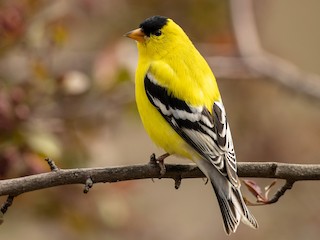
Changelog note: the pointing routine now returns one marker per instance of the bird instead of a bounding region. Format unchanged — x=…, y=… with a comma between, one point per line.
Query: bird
x=181, y=109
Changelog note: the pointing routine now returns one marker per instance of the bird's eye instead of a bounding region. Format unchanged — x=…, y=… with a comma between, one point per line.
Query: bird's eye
x=158, y=33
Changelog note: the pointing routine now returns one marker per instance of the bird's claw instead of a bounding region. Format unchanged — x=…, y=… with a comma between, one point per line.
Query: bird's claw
x=160, y=161
x=162, y=167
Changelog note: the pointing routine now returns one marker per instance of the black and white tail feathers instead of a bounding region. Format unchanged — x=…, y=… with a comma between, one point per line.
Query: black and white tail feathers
x=232, y=205
x=208, y=134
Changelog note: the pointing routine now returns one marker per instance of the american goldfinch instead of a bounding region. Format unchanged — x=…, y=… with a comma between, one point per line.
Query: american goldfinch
x=181, y=109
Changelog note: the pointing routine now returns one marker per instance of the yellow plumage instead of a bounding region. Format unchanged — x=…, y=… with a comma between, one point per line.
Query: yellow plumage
x=181, y=109
x=170, y=61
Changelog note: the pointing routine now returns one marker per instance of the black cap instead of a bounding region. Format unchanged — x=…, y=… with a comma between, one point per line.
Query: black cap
x=153, y=24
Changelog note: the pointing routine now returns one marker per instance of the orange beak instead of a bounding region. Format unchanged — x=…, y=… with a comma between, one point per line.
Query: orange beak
x=136, y=34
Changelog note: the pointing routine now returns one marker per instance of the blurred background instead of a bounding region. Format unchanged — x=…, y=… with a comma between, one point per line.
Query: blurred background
x=67, y=92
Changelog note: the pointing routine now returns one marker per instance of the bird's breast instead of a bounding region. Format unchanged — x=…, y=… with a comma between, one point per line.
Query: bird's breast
x=159, y=130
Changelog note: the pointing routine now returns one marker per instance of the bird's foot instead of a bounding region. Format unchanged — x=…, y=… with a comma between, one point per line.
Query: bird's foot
x=160, y=161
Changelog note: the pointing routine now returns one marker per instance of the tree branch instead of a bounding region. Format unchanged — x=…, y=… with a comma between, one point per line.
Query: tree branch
x=262, y=62
x=17, y=186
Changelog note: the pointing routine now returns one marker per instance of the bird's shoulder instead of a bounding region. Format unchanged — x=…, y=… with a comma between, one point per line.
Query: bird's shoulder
x=189, y=84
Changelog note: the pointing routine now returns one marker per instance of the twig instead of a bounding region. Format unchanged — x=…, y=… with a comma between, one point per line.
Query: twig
x=287, y=186
x=52, y=165
x=7, y=204
x=16, y=186
x=263, y=198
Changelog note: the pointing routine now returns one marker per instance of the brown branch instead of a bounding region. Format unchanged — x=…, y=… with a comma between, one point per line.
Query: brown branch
x=7, y=204
x=262, y=62
x=16, y=186
x=229, y=67
x=52, y=165
x=263, y=198
x=287, y=186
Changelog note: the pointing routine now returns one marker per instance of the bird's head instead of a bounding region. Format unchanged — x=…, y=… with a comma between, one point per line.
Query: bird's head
x=157, y=36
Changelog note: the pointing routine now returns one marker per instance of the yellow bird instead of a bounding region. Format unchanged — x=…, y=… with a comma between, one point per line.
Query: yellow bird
x=181, y=109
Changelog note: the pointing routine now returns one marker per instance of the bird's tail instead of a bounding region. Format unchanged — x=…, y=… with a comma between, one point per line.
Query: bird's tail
x=232, y=205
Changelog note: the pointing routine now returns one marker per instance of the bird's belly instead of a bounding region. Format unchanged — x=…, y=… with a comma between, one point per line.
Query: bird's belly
x=160, y=130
